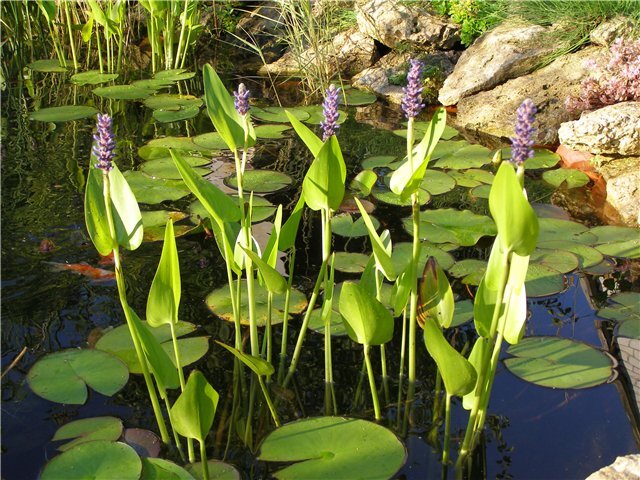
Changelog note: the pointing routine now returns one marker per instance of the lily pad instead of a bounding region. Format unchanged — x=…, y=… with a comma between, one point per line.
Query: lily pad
x=210, y=141
x=587, y=256
x=470, y=270
x=356, y=97
x=616, y=241
x=626, y=312
x=465, y=156
x=337, y=324
x=560, y=260
x=472, y=177
x=271, y=131
x=350, y=262
x=401, y=256
x=219, y=303
x=124, y=92
x=93, y=77
x=158, y=468
x=261, y=181
x=436, y=182
x=542, y=158
x=182, y=143
x=345, y=226
x=88, y=430
x=481, y=191
x=155, y=190
x=462, y=314
x=316, y=115
x=99, y=460
x=153, y=83
x=217, y=470
x=172, y=101
x=48, y=66
x=542, y=280
x=277, y=114
x=150, y=152
x=118, y=342
x=568, y=176
x=184, y=113
x=448, y=225
x=67, y=113
x=166, y=168
x=552, y=229
x=144, y=442
x=378, y=161
x=174, y=75
x=559, y=363
x=158, y=218
x=333, y=447
x=156, y=234
x=262, y=209
x=385, y=195
x=64, y=376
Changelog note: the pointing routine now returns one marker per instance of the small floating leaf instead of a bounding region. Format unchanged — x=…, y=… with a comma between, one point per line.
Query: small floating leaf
x=472, y=177
x=448, y=225
x=344, y=225
x=93, y=77
x=559, y=363
x=378, y=161
x=261, y=181
x=48, y=66
x=401, y=256
x=174, y=75
x=155, y=190
x=262, y=209
x=271, y=131
x=587, y=256
x=277, y=114
x=467, y=156
x=350, y=262
x=217, y=470
x=172, y=101
x=166, y=168
x=357, y=97
x=67, y=113
x=436, y=182
x=560, y=260
x=570, y=177
x=144, y=442
x=192, y=413
x=542, y=158
x=184, y=113
x=87, y=430
x=181, y=143
x=153, y=83
x=463, y=313
x=316, y=115
x=543, y=280
x=624, y=311
x=470, y=270
x=564, y=230
x=387, y=196
x=481, y=191
x=158, y=468
x=124, y=92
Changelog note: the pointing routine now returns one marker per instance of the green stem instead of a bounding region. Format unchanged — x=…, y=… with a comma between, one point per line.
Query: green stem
x=447, y=430
x=272, y=409
x=285, y=317
x=99, y=50
x=372, y=384
x=71, y=42
x=176, y=437
x=176, y=352
x=383, y=351
x=415, y=258
x=403, y=341
x=204, y=461
x=181, y=39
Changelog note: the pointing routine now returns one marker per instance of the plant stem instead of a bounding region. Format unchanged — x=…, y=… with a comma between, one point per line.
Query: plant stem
x=204, y=461
x=176, y=352
x=403, y=341
x=99, y=50
x=181, y=39
x=65, y=6
x=176, y=437
x=372, y=384
x=272, y=409
x=383, y=352
x=285, y=317
x=447, y=430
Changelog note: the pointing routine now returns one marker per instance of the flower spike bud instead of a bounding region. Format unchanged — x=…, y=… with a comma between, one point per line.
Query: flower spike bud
x=241, y=101
x=330, y=111
x=105, y=144
x=412, y=99
x=522, y=143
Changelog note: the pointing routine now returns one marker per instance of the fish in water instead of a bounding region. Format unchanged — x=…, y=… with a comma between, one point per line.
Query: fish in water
x=84, y=269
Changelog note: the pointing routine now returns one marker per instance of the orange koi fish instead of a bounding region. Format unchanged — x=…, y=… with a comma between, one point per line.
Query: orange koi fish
x=84, y=269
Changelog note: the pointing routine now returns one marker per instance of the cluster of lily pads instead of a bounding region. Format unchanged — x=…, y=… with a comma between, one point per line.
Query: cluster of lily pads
x=530, y=257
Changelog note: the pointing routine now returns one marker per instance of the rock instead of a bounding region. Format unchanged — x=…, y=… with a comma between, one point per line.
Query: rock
x=391, y=22
x=575, y=159
x=507, y=51
x=494, y=112
x=624, y=468
x=264, y=19
x=613, y=129
x=605, y=33
x=622, y=176
x=350, y=52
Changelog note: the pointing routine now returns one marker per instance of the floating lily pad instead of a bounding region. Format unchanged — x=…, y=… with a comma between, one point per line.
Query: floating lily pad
x=278, y=115
x=587, y=256
x=420, y=129
x=356, y=97
x=174, y=75
x=345, y=226
x=626, y=312
x=158, y=218
x=181, y=143
x=262, y=209
x=568, y=176
x=184, y=113
x=333, y=447
x=603, y=268
x=158, y=468
x=217, y=470
x=210, y=141
x=559, y=363
x=436, y=182
x=99, y=460
x=448, y=225
x=628, y=249
x=463, y=313
x=385, y=195
x=219, y=303
x=156, y=234
x=144, y=442
x=271, y=131
x=172, y=101
x=350, y=262
x=560, y=260
x=118, y=342
x=153, y=83
x=67, y=113
x=316, y=115
x=166, y=167
x=470, y=270
x=401, y=256
x=151, y=152
x=155, y=190
x=481, y=191
x=261, y=181
x=542, y=158
x=465, y=156
x=93, y=77
x=88, y=430
x=472, y=177
x=63, y=376
x=542, y=280
x=378, y=161
x=617, y=241
x=124, y=92
x=552, y=229
x=337, y=325
x=49, y=66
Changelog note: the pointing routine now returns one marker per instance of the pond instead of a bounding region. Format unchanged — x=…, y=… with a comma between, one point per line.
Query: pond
x=58, y=293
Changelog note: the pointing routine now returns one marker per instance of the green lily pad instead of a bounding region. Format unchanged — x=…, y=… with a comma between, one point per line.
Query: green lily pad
x=420, y=129
x=158, y=218
x=158, y=468
x=67, y=113
x=174, y=75
x=316, y=115
x=605, y=267
x=465, y=156
x=570, y=177
x=99, y=460
x=217, y=470
x=271, y=131
x=150, y=152
x=378, y=161
x=559, y=363
x=542, y=158
x=124, y=92
x=210, y=141
x=470, y=270
x=462, y=314
x=552, y=229
x=262, y=209
x=48, y=66
x=153, y=83
x=628, y=249
x=356, y=97
x=184, y=113
x=587, y=256
x=617, y=241
x=472, y=177
x=333, y=447
x=437, y=183
x=542, y=280
x=337, y=324
x=219, y=303
x=93, y=77
x=481, y=191
x=350, y=262
x=560, y=260
x=261, y=181
x=172, y=101
x=401, y=256
x=626, y=312
x=181, y=143
x=385, y=195
x=88, y=430
x=155, y=190
x=156, y=234
x=166, y=168
x=448, y=225
x=118, y=342
x=278, y=115
x=344, y=225
x=63, y=376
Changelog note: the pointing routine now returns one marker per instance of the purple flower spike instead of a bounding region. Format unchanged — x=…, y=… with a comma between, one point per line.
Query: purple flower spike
x=412, y=99
x=330, y=111
x=105, y=143
x=241, y=101
x=522, y=143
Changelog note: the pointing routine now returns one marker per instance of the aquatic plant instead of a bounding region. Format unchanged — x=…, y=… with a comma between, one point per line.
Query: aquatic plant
x=522, y=143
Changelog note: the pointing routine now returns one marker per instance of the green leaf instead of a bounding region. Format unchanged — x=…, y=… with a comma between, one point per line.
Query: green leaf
x=381, y=245
x=124, y=92
x=223, y=115
x=48, y=66
x=189, y=144
x=516, y=221
x=448, y=225
x=473, y=177
x=192, y=413
x=344, y=225
x=258, y=365
x=218, y=470
x=378, y=161
x=401, y=256
x=166, y=168
x=464, y=156
x=172, y=101
x=271, y=131
x=261, y=181
x=357, y=97
x=368, y=322
x=262, y=210
x=475, y=359
x=471, y=270
x=323, y=186
x=552, y=229
x=388, y=197
x=289, y=230
x=571, y=178
x=164, y=295
x=88, y=430
x=625, y=312
x=92, y=77
x=458, y=374
x=95, y=212
x=316, y=115
x=279, y=114
x=160, y=469
x=513, y=319
x=333, y=447
x=126, y=213
x=364, y=182
x=435, y=300
x=560, y=260
x=350, y=262
x=183, y=113
x=155, y=190
x=543, y=280
x=310, y=139
x=64, y=376
x=274, y=282
x=99, y=460
x=66, y=113
x=587, y=256
x=436, y=182
x=174, y=75
x=463, y=313
x=559, y=363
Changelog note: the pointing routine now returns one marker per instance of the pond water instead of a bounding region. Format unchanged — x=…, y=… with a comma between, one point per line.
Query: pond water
x=534, y=432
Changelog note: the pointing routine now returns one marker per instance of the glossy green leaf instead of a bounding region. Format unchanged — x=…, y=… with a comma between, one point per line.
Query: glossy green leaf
x=174, y=75
x=172, y=101
x=289, y=232
x=463, y=313
x=587, y=256
x=364, y=182
x=279, y=114
x=356, y=97
x=481, y=191
x=66, y=113
x=381, y=245
x=164, y=295
x=542, y=158
x=126, y=212
x=166, y=168
x=271, y=131
x=154, y=84
x=435, y=298
x=626, y=312
x=183, y=113
x=124, y=92
x=345, y=226
x=88, y=430
x=261, y=181
x=158, y=218
x=626, y=249
x=368, y=322
x=552, y=229
x=179, y=144
x=323, y=186
x=258, y=365
x=92, y=77
x=155, y=190
x=436, y=182
x=160, y=469
x=48, y=66
x=316, y=115
x=217, y=469
x=512, y=321
x=378, y=161
x=471, y=270
x=273, y=281
x=448, y=225
x=387, y=196
x=571, y=178
x=559, y=363
x=95, y=213
x=475, y=359
x=326, y=447
x=262, y=210
x=401, y=256
x=466, y=156
x=350, y=262
x=192, y=413
x=560, y=260
x=543, y=280
x=473, y=177
x=64, y=376
x=487, y=294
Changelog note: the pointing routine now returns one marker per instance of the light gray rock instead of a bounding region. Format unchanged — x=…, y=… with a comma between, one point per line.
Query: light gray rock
x=493, y=112
x=613, y=129
x=605, y=33
x=622, y=177
x=508, y=51
x=624, y=468
x=391, y=22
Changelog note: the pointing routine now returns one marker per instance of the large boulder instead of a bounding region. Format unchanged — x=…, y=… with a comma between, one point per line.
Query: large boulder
x=622, y=177
x=391, y=22
x=624, y=468
x=606, y=33
x=613, y=129
x=493, y=112
x=507, y=51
